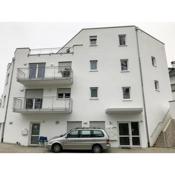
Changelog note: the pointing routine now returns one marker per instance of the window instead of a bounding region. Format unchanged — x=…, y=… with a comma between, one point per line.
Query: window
x=93, y=65
x=122, y=40
x=34, y=98
x=124, y=64
x=97, y=133
x=153, y=59
x=85, y=133
x=36, y=70
x=93, y=40
x=126, y=92
x=73, y=134
x=156, y=84
x=64, y=93
x=173, y=87
x=94, y=92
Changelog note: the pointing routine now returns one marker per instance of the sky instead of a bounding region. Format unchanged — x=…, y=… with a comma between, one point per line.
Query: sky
x=50, y=35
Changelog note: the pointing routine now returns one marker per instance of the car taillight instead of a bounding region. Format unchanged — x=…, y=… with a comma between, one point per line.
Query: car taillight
x=107, y=141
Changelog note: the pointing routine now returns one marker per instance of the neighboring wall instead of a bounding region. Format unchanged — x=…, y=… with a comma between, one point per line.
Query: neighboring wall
x=157, y=102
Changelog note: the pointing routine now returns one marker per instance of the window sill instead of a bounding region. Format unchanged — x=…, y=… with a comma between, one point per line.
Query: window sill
x=94, y=98
x=123, y=45
x=125, y=100
x=93, y=71
x=92, y=45
x=124, y=71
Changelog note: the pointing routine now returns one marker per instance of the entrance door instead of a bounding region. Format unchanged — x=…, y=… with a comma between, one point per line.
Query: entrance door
x=129, y=135
x=35, y=132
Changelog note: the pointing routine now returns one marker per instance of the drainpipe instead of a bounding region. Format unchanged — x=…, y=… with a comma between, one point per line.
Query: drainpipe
x=143, y=95
x=7, y=104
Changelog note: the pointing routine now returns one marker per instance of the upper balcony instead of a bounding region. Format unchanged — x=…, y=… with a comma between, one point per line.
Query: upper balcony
x=42, y=105
x=41, y=75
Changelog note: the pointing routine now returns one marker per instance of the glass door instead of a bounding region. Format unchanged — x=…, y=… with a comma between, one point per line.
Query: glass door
x=35, y=132
x=32, y=70
x=41, y=70
x=36, y=70
x=129, y=135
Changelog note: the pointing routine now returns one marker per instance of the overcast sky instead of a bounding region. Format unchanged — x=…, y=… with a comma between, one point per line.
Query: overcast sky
x=48, y=35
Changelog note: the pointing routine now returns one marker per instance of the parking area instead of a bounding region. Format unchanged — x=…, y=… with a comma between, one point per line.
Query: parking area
x=13, y=148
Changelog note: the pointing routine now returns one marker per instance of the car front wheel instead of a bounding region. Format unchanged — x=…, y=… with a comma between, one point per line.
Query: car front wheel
x=56, y=148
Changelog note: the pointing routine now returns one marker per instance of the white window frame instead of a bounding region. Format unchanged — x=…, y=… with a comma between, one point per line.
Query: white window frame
x=122, y=45
x=93, y=37
x=126, y=99
x=91, y=62
x=93, y=98
x=127, y=70
x=153, y=61
x=156, y=83
x=64, y=97
x=130, y=134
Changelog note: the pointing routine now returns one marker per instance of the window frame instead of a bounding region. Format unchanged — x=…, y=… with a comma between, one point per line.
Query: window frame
x=93, y=37
x=156, y=83
x=126, y=99
x=154, y=61
x=91, y=88
x=119, y=39
x=64, y=93
x=127, y=70
x=91, y=62
x=130, y=134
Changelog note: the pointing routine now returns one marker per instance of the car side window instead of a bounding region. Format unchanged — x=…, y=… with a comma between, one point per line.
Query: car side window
x=73, y=134
x=85, y=134
x=97, y=133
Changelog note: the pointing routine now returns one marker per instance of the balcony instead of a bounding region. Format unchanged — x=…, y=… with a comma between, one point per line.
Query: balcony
x=42, y=105
x=52, y=75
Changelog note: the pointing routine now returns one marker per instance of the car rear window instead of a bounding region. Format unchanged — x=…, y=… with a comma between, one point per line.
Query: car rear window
x=97, y=133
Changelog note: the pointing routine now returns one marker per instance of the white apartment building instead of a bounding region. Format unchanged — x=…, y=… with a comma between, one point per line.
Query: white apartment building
x=115, y=78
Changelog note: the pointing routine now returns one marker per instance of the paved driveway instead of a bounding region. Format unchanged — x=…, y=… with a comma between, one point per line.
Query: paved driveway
x=12, y=148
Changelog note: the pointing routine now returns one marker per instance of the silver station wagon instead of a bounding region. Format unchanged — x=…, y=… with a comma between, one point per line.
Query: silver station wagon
x=93, y=139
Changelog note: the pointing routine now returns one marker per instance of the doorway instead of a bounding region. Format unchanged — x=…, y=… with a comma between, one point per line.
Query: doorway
x=129, y=134
x=35, y=133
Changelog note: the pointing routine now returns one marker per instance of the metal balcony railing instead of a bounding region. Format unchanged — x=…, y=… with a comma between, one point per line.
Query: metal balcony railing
x=57, y=50
x=45, y=104
x=54, y=73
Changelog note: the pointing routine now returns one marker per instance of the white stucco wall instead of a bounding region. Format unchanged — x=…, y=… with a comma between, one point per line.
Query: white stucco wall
x=108, y=78
x=157, y=102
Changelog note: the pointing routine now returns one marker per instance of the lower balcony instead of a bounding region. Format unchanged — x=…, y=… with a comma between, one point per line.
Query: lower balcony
x=42, y=105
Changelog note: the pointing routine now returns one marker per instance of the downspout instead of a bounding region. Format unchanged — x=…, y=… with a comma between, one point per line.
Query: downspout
x=7, y=104
x=143, y=95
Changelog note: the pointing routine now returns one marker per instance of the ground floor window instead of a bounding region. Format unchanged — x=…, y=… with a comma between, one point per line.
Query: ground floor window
x=129, y=134
x=97, y=124
x=73, y=125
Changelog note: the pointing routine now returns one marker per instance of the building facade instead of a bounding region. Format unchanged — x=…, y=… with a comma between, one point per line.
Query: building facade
x=114, y=78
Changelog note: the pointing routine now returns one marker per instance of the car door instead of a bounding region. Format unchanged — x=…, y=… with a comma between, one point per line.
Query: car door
x=86, y=139
x=72, y=140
